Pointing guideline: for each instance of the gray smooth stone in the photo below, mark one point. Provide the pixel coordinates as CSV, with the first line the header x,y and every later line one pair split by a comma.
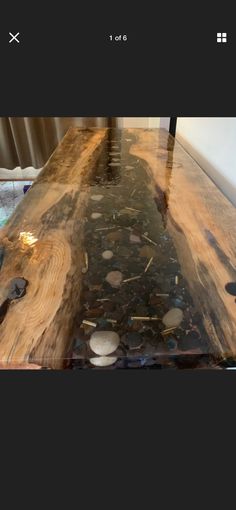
x,y
103,361
104,342
107,254
173,318
114,278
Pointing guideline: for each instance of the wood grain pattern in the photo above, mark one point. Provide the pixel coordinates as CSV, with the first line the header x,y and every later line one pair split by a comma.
x,y
202,223
43,243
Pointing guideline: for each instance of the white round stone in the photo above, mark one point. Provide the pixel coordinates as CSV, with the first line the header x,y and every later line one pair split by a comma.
x,y
173,318
104,342
96,215
103,361
107,254
134,239
96,198
114,278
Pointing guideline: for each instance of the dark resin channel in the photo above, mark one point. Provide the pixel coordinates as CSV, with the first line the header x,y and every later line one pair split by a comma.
x,y
132,225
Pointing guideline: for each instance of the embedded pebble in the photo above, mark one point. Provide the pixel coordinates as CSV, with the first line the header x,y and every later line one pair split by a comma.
x,y
127,220
124,252
96,215
103,361
178,302
128,167
172,344
147,251
114,278
134,239
173,318
114,236
104,342
107,254
133,340
96,198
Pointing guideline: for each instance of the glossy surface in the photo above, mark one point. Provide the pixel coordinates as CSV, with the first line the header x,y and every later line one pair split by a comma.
x,y
122,232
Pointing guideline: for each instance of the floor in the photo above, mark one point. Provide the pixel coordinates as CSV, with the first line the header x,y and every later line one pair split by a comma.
x,y
11,193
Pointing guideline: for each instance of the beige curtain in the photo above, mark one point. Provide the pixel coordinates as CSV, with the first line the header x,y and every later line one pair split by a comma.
x,y
29,141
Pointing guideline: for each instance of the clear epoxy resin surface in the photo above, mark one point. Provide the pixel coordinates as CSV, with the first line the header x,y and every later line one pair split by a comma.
x,y
132,281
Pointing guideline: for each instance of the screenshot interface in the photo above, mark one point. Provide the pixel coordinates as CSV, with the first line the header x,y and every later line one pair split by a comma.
x,y
117,186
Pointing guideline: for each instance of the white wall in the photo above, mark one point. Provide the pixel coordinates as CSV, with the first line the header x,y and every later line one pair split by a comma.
x,y
165,122
144,122
139,122
212,143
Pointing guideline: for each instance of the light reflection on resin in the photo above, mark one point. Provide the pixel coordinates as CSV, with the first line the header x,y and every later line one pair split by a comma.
x,y
27,238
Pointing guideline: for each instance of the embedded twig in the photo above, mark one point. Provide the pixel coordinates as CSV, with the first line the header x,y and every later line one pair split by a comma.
x,y
168,330
131,279
150,240
145,318
106,228
89,323
85,269
131,209
148,264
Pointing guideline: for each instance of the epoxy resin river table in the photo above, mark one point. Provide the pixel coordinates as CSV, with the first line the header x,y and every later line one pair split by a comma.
x,y
122,240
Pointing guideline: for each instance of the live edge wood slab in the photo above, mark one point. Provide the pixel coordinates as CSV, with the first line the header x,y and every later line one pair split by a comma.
x,y
43,243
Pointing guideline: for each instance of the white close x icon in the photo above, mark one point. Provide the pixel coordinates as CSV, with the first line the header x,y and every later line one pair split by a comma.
x,y
14,37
